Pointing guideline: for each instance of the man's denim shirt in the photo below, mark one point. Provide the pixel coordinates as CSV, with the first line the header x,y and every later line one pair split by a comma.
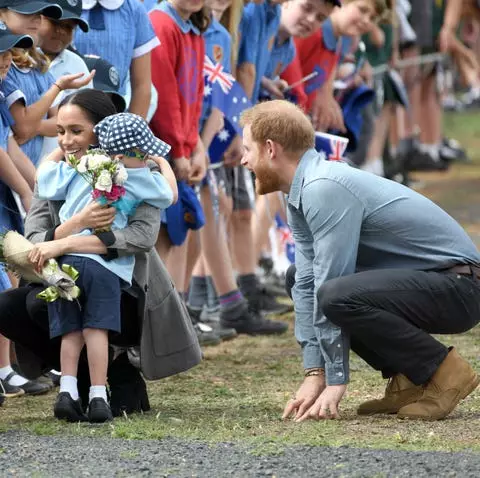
x,y
344,221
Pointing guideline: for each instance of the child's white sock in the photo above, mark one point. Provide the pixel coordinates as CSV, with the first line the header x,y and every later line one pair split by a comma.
x,y
97,391
16,381
68,383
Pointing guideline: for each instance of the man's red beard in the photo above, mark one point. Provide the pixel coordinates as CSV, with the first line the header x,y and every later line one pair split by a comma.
x,y
266,180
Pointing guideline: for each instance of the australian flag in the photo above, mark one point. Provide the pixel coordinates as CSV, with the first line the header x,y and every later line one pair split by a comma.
x,y
229,97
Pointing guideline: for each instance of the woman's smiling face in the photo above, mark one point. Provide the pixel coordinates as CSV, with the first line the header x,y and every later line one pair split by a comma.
x,y
74,131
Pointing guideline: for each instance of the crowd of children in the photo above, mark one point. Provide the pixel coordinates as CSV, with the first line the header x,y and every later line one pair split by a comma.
x,y
176,63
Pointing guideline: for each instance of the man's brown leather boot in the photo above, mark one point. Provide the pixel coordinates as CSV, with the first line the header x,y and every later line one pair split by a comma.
x,y
454,380
399,392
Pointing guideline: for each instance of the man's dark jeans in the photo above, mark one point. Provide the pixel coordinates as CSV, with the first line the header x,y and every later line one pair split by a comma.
x,y
389,315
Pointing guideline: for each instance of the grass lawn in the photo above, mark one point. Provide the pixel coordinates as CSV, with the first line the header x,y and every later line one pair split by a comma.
x,y
238,392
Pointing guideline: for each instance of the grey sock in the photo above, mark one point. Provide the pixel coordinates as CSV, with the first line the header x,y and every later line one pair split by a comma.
x,y
212,296
197,295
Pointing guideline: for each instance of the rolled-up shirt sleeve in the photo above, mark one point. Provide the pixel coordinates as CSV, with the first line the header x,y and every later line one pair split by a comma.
x,y
334,217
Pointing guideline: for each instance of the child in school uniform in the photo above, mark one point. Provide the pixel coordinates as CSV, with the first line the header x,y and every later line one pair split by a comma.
x,y
56,36
121,33
11,180
177,74
128,138
29,89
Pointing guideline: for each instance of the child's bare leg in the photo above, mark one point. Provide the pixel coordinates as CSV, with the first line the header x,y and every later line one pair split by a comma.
x,y
72,345
96,341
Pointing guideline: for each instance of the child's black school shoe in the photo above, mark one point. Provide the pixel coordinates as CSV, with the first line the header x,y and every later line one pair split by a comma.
x,y
99,411
66,408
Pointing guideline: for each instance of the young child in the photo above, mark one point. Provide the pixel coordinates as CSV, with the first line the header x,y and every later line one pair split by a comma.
x,y
321,53
29,89
121,33
299,19
128,138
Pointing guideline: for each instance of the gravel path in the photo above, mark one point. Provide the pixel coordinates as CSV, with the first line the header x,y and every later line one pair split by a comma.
x,y
23,454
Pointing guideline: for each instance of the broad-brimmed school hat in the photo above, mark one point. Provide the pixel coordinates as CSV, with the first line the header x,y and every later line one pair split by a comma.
x,y
10,40
29,7
122,132
187,213
72,10
106,79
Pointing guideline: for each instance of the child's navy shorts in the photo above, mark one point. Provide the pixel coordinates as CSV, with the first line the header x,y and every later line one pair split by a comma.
x,y
98,306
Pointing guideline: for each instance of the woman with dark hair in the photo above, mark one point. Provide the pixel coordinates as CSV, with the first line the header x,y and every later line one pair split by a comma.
x,y
152,313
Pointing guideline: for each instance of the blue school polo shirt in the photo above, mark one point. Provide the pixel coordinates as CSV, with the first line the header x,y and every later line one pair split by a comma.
x,y
280,57
29,85
258,28
128,34
218,47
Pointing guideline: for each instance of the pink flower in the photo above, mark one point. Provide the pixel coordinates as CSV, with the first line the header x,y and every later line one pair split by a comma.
x,y
115,194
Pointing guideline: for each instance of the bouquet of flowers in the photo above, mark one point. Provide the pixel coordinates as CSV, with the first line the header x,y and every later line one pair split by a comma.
x,y
106,176
14,249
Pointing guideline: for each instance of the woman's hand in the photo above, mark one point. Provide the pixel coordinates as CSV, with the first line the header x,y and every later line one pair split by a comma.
x,y
181,168
75,81
95,216
305,397
43,251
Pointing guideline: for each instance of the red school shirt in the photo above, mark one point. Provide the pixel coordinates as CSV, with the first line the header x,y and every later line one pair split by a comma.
x,y
177,75
312,55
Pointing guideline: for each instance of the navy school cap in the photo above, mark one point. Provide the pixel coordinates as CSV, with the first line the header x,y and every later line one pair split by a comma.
x,y
9,40
29,7
72,10
106,79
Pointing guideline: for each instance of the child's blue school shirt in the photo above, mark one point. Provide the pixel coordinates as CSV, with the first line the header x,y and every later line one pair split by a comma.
x,y
280,57
128,35
218,47
258,28
33,85
61,182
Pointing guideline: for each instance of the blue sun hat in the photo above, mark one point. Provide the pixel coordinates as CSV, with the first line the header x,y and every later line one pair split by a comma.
x,y
9,40
29,7
122,132
185,214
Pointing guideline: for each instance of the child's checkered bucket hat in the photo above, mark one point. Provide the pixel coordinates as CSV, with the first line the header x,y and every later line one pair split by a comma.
x,y
122,132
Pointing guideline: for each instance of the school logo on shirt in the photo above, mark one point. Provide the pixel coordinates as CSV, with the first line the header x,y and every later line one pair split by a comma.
x,y
3,26
217,53
72,3
271,42
114,76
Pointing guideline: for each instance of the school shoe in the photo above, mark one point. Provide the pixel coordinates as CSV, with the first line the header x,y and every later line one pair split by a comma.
x,y
99,411
10,391
31,387
264,300
66,408
224,333
205,334
453,381
249,320
423,161
399,393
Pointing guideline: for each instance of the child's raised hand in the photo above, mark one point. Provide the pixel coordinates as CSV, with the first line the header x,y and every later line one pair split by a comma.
x,y
75,81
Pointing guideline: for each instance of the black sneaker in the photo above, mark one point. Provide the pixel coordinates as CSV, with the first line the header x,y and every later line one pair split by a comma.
x,y
252,322
264,300
224,333
205,334
421,161
54,377
66,408
10,390
99,411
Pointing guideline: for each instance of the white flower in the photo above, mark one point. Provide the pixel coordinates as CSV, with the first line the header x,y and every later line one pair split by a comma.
x,y
95,161
104,182
82,165
121,176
